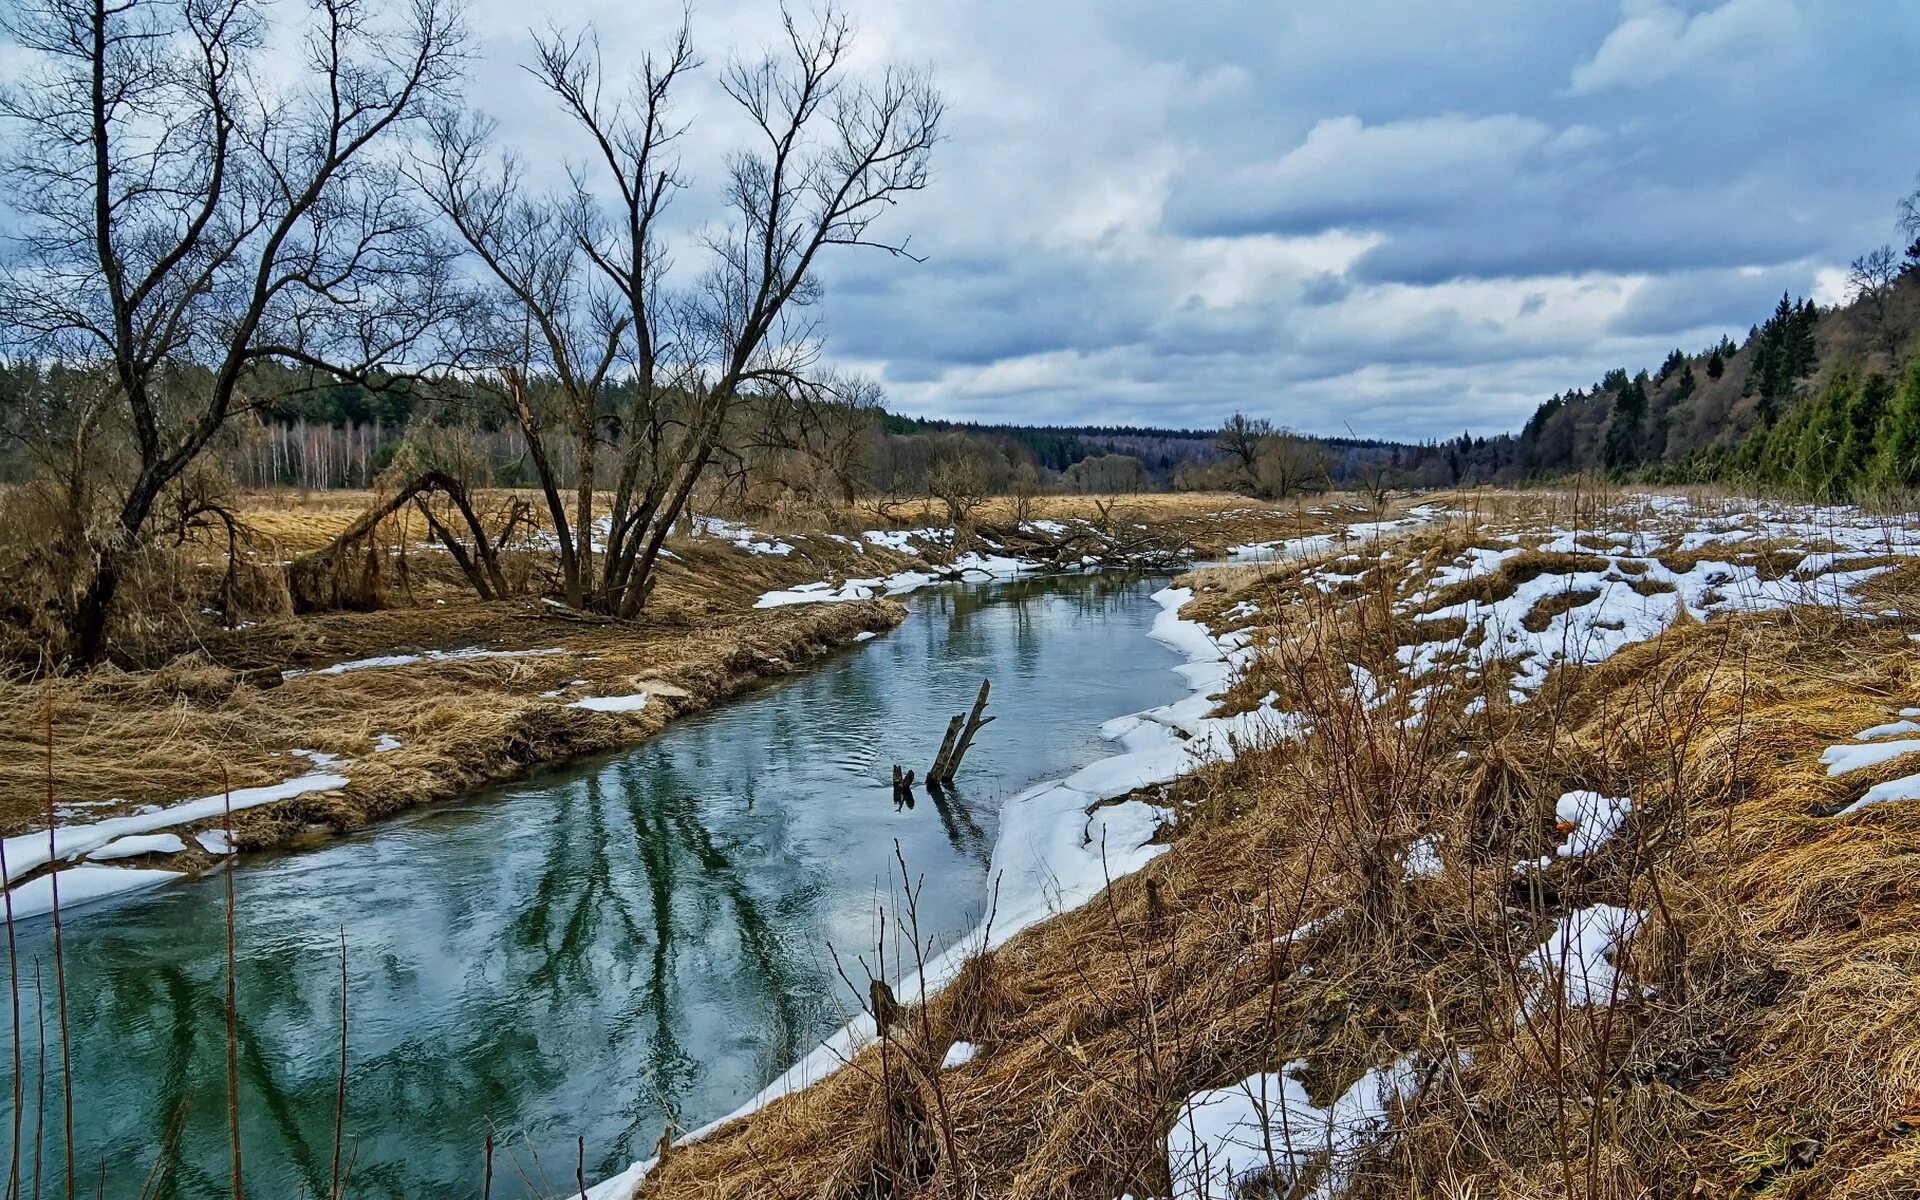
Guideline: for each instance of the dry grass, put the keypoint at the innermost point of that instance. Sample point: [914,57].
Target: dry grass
[1768,1041]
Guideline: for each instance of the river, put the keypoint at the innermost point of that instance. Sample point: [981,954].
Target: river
[587,951]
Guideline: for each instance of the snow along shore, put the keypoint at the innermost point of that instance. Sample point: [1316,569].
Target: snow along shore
[31,851]
[1054,850]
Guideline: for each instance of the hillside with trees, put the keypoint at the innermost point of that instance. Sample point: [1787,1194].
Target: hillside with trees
[1815,401]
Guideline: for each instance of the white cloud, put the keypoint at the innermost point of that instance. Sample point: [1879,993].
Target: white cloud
[1658,42]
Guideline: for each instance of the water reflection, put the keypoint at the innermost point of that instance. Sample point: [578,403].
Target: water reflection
[591,952]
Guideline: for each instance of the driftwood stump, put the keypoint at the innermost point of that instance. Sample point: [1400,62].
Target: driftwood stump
[960,734]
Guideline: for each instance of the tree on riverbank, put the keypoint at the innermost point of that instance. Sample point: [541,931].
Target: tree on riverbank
[581,289]
[185,224]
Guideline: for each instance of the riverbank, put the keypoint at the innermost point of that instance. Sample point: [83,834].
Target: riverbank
[319,724]
[1584,867]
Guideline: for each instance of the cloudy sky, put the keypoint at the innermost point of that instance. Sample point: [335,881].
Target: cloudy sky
[1396,217]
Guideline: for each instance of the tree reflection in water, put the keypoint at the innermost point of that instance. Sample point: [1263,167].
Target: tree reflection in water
[594,951]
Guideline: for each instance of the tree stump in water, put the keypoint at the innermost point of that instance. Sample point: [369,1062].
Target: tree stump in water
[960,734]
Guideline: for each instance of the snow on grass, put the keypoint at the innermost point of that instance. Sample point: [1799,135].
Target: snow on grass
[903,540]
[138,844]
[1265,1136]
[1889,729]
[1857,757]
[1581,956]
[383,742]
[865,635]
[1589,821]
[1422,859]
[1587,616]
[990,566]
[612,704]
[29,851]
[741,536]
[1907,787]
[83,885]
[959,1055]
[214,841]
[467,654]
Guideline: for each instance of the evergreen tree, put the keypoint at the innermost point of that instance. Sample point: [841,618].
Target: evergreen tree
[1622,448]
[1716,365]
[1863,426]
[1818,468]
[1896,462]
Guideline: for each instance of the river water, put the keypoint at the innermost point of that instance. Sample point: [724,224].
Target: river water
[588,951]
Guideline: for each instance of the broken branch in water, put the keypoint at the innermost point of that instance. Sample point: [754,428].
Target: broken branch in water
[960,734]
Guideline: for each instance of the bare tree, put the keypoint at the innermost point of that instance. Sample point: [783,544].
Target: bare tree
[961,477]
[830,154]
[1290,465]
[186,224]
[1240,439]
[829,430]
[1871,281]
[1023,487]
[554,334]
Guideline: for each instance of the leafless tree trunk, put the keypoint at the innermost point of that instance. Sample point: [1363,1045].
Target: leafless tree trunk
[181,216]
[830,155]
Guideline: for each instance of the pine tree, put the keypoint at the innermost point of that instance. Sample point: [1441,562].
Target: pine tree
[1896,462]
[1622,449]
[1716,365]
[1823,420]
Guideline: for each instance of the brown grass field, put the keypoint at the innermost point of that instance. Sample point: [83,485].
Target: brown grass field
[1766,1042]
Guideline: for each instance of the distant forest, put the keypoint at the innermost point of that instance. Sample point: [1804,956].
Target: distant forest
[1814,401]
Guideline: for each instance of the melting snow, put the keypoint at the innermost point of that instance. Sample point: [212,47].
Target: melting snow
[1888,730]
[742,537]
[1842,759]
[402,660]
[137,844]
[958,1055]
[29,850]
[83,885]
[612,704]
[1593,819]
[1264,1135]
[1579,953]
[1422,859]
[1907,787]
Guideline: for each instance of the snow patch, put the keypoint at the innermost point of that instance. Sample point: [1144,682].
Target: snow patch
[959,1055]
[1580,955]
[612,704]
[1592,819]
[402,660]
[83,885]
[1264,1135]
[1842,759]
[138,844]
[28,851]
